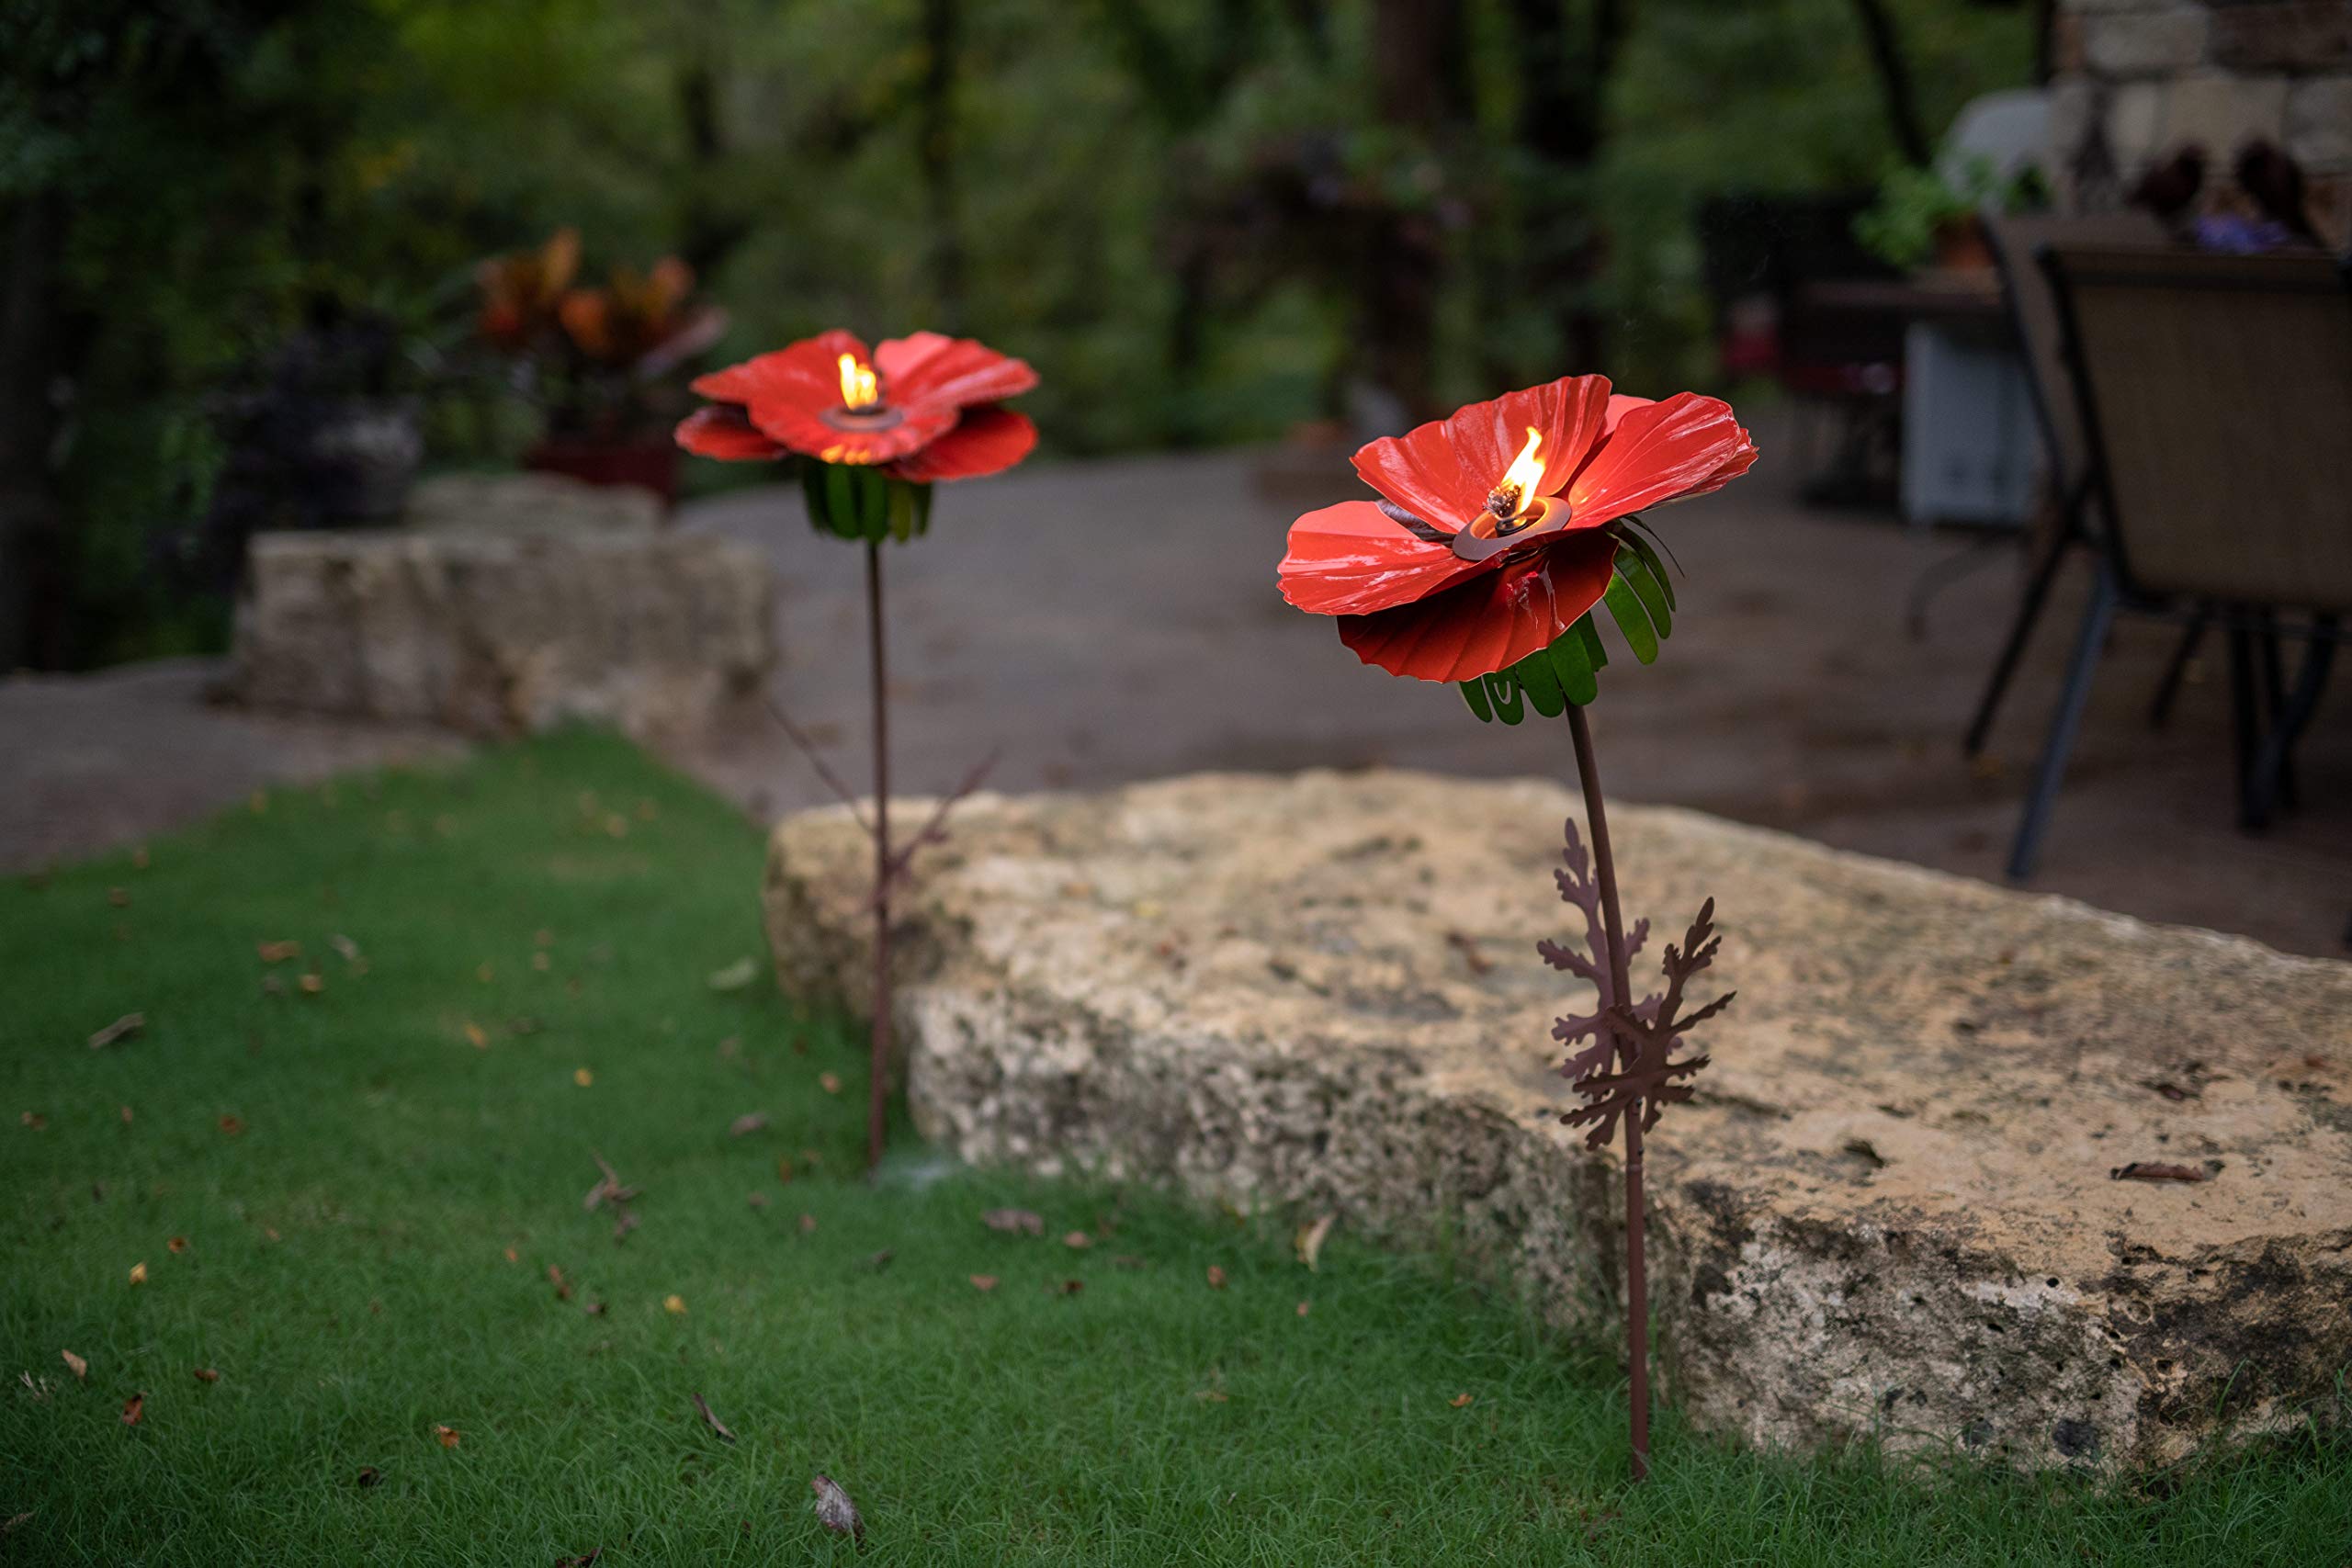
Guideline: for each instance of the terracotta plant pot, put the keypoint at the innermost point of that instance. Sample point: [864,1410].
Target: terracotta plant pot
[648,464]
[1961,245]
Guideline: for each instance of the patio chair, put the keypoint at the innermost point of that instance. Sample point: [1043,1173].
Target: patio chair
[2033,319]
[2214,397]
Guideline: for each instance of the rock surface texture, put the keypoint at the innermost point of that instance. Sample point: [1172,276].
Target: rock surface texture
[1891,1209]
[509,605]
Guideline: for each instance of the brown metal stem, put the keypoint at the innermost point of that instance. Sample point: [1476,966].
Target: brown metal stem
[1637,1294]
[878,1097]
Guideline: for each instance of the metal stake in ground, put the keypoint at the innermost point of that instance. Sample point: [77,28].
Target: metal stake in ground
[877,1088]
[1637,1295]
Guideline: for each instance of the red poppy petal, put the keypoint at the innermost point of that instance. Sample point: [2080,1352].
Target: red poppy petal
[1353,558]
[1619,405]
[1492,622]
[722,432]
[1442,471]
[927,367]
[804,375]
[985,440]
[1659,453]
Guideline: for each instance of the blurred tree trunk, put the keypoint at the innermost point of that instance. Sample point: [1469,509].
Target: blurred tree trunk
[32,521]
[1401,265]
[1567,52]
[942,42]
[709,228]
[1895,82]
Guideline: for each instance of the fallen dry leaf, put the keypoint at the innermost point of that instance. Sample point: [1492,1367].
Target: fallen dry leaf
[139,860]
[2153,1170]
[625,1222]
[542,962]
[178,1244]
[513,1256]
[134,1409]
[1067,1288]
[1078,1239]
[1309,1242]
[123,1028]
[543,937]
[476,1036]
[370,1475]
[587,1559]
[345,947]
[1303,1308]
[673,1304]
[880,1261]
[735,976]
[15,1522]
[746,1125]
[562,1286]
[984,1283]
[139,1273]
[712,1421]
[312,983]
[34,1119]
[582,1076]
[78,1367]
[1013,1220]
[119,897]
[1462,1401]
[835,1511]
[126,1116]
[233,1125]
[807,1225]
[1216,1277]
[449,1437]
[208,1374]
[830,1082]
[756,1200]
[1211,1395]
[278,952]
[784,1168]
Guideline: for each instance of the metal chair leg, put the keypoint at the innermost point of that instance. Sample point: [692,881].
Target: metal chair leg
[2246,717]
[2268,777]
[2037,591]
[2160,711]
[2280,789]
[2097,615]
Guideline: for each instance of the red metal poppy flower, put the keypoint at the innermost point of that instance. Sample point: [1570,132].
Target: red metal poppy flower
[921,408]
[1491,538]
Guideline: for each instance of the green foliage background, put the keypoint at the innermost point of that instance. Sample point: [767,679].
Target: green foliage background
[228,160]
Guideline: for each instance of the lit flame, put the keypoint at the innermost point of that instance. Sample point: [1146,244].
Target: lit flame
[1516,489]
[857,385]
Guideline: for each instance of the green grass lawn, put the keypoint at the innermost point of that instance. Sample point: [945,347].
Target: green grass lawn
[350,1203]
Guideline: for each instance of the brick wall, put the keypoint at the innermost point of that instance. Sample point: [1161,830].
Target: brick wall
[2149,77]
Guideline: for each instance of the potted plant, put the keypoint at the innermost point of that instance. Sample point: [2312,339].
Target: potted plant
[1922,219]
[604,364]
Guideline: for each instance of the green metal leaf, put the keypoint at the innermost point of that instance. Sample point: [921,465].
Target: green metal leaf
[1636,570]
[922,508]
[1586,633]
[1475,694]
[840,499]
[1541,686]
[1648,552]
[1633,621]
[1503,691]
[1572,667]
[873,505]
[902,511]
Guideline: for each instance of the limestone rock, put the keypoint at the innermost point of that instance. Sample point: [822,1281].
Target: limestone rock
[516,604]
[1890,1210]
